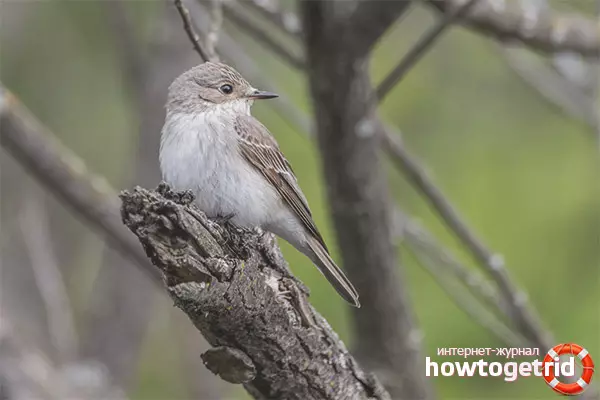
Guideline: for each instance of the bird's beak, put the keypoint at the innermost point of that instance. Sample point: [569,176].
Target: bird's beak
[260,95]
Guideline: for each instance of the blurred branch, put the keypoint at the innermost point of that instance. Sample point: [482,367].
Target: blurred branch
[429,250]
[216,21]
[493,264]
[121,304]
[129,51]
[241,21]
[27,373]
[188,26]
[546,31]
[372,19]
[227,286]
[66,176]
[454,289]
[417,51]
[552,85]
[287,21]
[48,278]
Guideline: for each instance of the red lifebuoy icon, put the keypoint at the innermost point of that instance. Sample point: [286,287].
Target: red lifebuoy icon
[586,376]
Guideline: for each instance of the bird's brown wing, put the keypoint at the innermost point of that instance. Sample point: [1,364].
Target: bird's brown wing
[261,150]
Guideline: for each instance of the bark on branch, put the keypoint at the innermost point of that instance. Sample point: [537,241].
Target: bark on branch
[237,289]
[544,30]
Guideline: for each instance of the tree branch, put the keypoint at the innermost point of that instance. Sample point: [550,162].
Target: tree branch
[33,221]
[493,264]
[418,50]
[237,289]
[429,251]
[547,31]
[216,21]
[243,22]
[371,19]
[554,87]
[188,26]
[287,21]
[65,175]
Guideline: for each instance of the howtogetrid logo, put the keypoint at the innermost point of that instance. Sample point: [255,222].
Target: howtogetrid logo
[552,368]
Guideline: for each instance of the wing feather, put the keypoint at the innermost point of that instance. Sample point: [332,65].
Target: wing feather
[261,150]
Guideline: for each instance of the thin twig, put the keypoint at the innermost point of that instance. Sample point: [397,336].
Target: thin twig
[131,53]
[548,31]
[242,21]
[65,175]
[33,221]
[188,26]
[552,85]
[422,242]
[454,289]
[418,50]
[216,21]
[493,264]
[287,21]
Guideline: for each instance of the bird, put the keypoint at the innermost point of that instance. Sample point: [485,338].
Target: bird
[212,145]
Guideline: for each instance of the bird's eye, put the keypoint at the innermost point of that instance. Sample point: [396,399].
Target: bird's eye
[226,89]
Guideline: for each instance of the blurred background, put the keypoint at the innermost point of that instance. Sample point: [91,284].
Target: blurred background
[520,166]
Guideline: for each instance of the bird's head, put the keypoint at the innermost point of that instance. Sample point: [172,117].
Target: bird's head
[212,86]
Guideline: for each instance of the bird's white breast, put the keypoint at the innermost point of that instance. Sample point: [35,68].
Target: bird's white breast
[199,152]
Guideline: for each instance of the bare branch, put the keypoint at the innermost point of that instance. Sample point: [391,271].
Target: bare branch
[48,278]
[121,305]
[546,30]
[66,176]
[228,286]
[372,18]
[130,54]
[552,85]
[428,249]
[287,21]
[242,21]
[216,20]
[454,289]
[418,50]
[26,372]
[493,264]
[188,26]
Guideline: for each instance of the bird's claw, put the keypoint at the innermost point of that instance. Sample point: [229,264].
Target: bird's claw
[286,295]
[224,219]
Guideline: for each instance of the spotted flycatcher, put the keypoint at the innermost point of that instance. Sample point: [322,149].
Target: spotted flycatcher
[212,146]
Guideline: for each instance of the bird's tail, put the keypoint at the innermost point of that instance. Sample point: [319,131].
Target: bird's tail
[333,273]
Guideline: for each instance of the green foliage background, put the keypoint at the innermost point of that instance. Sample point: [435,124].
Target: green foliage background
[523,175]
